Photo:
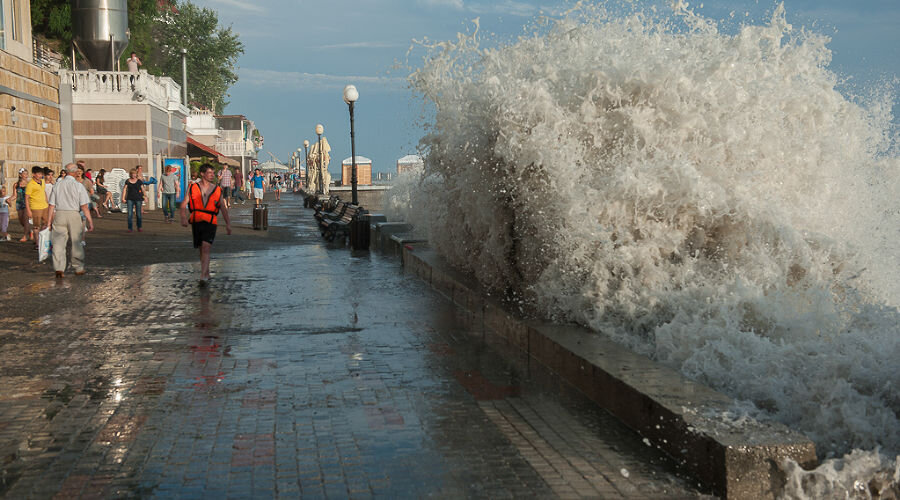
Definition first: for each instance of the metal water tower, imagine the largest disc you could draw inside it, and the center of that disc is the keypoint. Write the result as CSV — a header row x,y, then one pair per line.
x,y
100,29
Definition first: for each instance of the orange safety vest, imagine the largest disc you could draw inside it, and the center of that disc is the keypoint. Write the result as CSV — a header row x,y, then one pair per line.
x,y
208,212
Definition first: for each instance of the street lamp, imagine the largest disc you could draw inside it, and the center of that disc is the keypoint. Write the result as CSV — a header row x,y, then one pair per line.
x,y
299,161
350,97
184,75
295,168
306,150
319,131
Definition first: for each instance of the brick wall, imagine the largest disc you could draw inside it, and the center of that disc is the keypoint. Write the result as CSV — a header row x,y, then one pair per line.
x,y
363,174
34,139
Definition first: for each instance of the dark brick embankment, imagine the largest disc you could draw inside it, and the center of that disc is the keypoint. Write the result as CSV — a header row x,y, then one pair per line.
x,y
303,370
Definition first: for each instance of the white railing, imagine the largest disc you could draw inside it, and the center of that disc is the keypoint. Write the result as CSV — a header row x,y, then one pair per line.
x,y
120,87
229,148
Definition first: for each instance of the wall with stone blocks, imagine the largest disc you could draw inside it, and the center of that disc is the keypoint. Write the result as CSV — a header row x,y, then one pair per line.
x,y
34,138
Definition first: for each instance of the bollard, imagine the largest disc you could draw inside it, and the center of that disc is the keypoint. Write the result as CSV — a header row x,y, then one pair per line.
x,y
261,217
359,232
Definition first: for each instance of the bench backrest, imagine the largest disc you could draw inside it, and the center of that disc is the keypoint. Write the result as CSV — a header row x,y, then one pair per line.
x,y
350,213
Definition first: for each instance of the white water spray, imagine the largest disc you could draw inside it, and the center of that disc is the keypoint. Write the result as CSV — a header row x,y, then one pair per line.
x,y
710,200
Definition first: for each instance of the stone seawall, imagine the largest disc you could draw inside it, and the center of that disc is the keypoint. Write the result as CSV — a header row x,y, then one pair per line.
x,y
685,419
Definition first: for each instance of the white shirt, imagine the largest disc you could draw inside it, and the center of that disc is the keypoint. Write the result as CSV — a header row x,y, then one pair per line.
x,y
69,195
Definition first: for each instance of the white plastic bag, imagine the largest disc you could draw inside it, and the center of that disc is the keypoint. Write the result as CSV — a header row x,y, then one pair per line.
x,y
43,244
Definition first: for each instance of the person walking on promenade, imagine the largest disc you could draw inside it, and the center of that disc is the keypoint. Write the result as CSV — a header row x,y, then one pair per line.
x,y
226,182
169,192
140,175
81,176
259,186
238,190
19,197
36,202
48,182
5,203
103,191
133,197
205,201
276,187
68,198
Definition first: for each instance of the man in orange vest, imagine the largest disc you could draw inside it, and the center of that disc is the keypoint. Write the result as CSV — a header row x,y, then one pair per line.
x,y
205,201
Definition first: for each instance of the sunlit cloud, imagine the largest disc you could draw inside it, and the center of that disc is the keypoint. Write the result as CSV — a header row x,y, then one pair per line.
x,y
295,80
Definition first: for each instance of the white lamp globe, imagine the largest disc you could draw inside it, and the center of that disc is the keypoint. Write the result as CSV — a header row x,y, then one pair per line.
x,y
320,129
350,94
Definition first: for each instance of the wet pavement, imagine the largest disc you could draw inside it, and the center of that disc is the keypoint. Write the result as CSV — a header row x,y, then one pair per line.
x,y
303,370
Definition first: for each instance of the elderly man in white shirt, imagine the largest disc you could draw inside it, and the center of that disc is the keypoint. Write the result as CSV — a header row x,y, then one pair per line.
x,y
69,197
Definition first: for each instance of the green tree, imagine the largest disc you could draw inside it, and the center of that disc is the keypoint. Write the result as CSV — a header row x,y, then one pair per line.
x,y
142,19
51,20
213,51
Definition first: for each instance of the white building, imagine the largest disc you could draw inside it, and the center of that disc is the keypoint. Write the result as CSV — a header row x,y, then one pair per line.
x,y
410,162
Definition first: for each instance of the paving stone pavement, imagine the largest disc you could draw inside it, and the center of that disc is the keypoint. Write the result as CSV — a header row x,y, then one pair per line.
x,y
307,370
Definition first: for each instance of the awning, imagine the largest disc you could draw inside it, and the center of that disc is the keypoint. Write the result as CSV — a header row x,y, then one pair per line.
x,y
199,149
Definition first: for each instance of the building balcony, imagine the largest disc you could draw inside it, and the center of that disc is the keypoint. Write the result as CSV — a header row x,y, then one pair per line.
x,y
235,148
122,87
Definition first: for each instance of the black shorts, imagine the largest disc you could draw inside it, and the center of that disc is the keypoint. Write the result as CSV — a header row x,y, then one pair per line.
x,y
203,231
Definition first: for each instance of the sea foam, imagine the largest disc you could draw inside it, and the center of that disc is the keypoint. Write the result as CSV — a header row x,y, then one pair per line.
x,y
709,199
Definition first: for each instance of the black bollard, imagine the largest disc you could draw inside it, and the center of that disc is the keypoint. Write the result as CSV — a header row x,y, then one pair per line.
x,y
359,232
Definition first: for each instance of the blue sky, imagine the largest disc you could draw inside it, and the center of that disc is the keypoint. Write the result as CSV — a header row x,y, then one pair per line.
x,y
300,54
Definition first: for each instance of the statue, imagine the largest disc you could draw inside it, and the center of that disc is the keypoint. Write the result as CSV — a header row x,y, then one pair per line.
x,y
317,174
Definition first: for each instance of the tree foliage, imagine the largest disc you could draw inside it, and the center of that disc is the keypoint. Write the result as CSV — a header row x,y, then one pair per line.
x,y
212,53
159,30
53,20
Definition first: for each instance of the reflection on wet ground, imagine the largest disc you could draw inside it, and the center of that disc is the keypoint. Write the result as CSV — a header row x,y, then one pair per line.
x,y
304,370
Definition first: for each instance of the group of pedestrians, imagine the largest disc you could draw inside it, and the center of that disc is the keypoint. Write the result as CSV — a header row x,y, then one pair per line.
x,y
260,183
30,198
66,207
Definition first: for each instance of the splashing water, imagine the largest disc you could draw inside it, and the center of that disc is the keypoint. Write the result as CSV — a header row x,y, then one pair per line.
x,y
710,200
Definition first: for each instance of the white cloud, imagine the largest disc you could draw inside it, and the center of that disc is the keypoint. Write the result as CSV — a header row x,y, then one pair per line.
x,y
508,7
295,80
238,4
363,45
453,4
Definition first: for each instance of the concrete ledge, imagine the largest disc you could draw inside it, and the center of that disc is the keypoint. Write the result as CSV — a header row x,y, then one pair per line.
x,y
381,233
397,244
681,417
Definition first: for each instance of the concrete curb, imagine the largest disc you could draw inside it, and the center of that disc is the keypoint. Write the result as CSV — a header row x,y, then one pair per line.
x,y
681,417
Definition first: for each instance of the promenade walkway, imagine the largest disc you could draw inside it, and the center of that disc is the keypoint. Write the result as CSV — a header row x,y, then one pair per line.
x,y
304,370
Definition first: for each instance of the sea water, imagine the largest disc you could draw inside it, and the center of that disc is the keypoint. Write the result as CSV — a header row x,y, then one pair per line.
x,y
705,196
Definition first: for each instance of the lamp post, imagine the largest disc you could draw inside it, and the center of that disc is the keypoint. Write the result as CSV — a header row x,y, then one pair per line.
x,y
350,97
299,157
295,168
184,75
306,150
319,131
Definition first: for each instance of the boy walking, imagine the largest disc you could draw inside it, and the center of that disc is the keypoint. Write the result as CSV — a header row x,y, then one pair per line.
x,y
36,205
259,185
205,201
